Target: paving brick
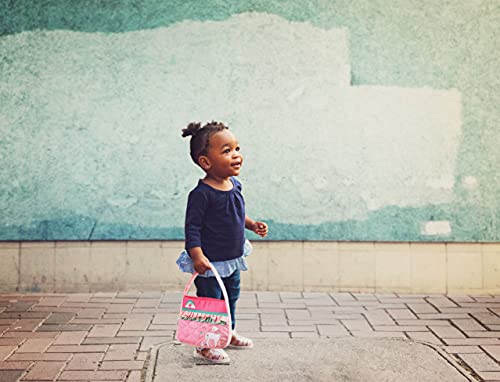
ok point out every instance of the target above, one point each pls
(162, 327)
(122, 365)
(265, 334)
(146, 333)
(441, 302)
(40, 357)
(147, 303)
(84, 361)
(340, 309)
(26, 315)
(272, 305)
(100, 375)
(422, 308)
(394, 328)
(44, 371)
(461, 298)
(378, 317)
(317, 302)
(20, 306)
(26, 325)
(490, 375)
(365, 297)
(480, 362)
(35, 345)
(78, 297)
(10, 341)
(268, 297)
(357, 325)
(77, 349)
(493, 351)
(70, 338)
(332, 331)
(401, 314)
(378, 334)
(59, 318)
(483, 334)
(10, 334)
(97, 321)
(64, 328)
(51, 301)
(254, 326)
(462, 349)
(111, 340)
(277, 321)
(7, 321)
(441, 316)
(15, 365)
(5, 351)
(167, 318)
(91, 313)
(148, 342)
(298, 314)
(310, 328)
(463, 310)
(423, 322)
(468, 324)
(446, 331)
(121, 352)
(487, 318)
(104, 331)
(10, 375)
(290, 295)
(136, 323)
(120, 308)
(471, 341)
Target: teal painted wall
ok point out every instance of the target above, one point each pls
(359, 120)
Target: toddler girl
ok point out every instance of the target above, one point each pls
(216, 221)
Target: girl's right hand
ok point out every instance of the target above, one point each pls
(201, 265)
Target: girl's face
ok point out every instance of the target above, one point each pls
(223, 157)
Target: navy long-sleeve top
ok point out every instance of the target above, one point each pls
(215, 221)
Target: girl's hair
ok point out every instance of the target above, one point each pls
(201, 137)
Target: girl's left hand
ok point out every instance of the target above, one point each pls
(260, 228)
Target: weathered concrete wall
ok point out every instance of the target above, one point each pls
(363, 122)
(454, 268)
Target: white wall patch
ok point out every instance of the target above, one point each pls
(436, 228)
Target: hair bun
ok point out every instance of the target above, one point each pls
(192, 129)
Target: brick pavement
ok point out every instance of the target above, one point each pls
(106, 336)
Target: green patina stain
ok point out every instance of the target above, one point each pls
(440, 45)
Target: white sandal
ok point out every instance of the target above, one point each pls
(240, 342)
(215, 356)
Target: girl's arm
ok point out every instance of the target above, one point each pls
(195, 214)
(260, 228)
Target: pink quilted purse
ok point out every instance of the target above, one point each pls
(204, 322)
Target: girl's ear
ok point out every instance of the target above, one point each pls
(204, 162)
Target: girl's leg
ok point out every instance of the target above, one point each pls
(208, 287)
(232, 284)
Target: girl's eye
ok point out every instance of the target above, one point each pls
(227, 151)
